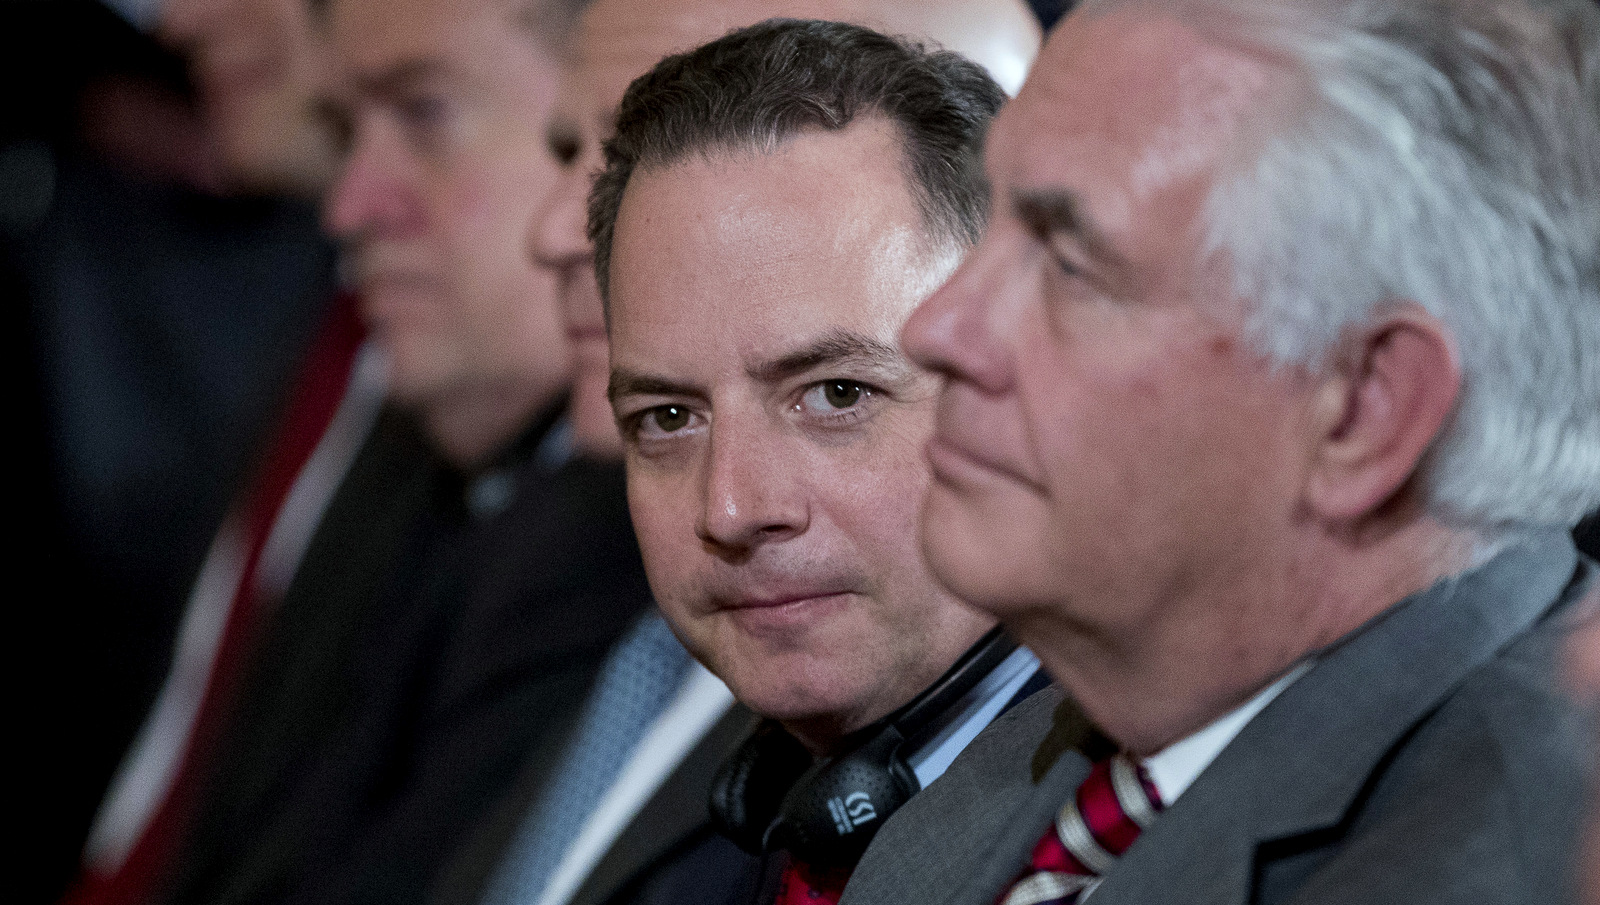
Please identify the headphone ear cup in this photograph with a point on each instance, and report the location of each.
(833, 812)
(750, 786)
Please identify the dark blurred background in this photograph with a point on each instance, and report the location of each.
(151, 324)
(153, 320)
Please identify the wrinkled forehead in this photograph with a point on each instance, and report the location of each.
(1131, 95)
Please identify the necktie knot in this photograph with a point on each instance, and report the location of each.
(1101, 821)
(803, 884)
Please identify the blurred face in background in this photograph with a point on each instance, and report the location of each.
(257, 68)
(446, 106)
(617, 41)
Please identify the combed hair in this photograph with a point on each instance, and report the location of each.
(1445, 152)
(759, 86)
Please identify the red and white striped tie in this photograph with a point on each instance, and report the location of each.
(1102, 820)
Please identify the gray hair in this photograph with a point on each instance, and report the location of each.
(1445, 152)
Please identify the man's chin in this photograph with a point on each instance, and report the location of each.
(957, 549)
(418, 377)
(817, 685)
(817, 715)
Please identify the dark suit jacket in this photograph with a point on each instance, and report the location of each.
(1429, 757)
(421, 656)
(667, 855)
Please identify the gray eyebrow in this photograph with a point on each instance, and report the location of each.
(1048, 211)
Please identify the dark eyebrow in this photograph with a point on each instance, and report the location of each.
(396, 80)
(629, 383)
(1048, 211)
(832, 349)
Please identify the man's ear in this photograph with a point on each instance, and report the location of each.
(1389, 390)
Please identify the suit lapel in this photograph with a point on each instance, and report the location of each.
(1299, 766)
(969, 833)
(675, 812)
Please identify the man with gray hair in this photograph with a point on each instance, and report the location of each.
(1271, 396)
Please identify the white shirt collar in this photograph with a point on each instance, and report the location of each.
(1176, 766)
(938, 745)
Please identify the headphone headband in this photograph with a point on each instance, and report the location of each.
(963, 675)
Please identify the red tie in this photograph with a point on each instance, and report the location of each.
(803, 884)
(321, 384)
(1112, 806)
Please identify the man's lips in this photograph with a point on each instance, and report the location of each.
(774, 600)
(780, 615)
(958, 463)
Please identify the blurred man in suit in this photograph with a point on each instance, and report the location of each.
(258, 66)
(454, 603)
(1269, 407)
(162, 294)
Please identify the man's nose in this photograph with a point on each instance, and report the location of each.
(559, 236)
(371, 194)
(954, 332)
(752, 496)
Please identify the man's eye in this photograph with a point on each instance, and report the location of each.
(834, 399)
(422, 110)
(339, 125)
(841, 394)
(563, 142)
(424, 119)
(669, 418)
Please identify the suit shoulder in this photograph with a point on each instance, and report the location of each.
(1481, 801)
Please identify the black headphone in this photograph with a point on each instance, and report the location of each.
(770, 795)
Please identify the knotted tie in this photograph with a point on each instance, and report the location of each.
(802, 884)
(1091, 831)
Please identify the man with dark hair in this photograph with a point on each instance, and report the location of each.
(649, 836)
(773, 207)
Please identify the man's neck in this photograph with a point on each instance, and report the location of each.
(1172, 677)
(469, 429)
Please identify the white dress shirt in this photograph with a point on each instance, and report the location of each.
(1174, 768)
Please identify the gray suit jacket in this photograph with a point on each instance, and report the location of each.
(1428, 757)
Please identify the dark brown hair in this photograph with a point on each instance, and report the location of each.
(760, 85)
